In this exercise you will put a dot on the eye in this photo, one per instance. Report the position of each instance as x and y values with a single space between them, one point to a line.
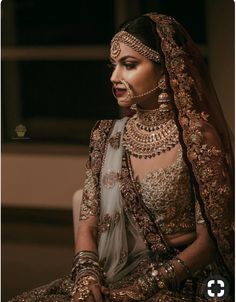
130 65
111 65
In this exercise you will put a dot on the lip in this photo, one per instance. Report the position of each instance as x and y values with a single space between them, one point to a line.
119 91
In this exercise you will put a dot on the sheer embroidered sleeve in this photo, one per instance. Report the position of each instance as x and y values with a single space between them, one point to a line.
90 200
90 203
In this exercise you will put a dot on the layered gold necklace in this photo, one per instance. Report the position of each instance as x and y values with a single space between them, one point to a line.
149 133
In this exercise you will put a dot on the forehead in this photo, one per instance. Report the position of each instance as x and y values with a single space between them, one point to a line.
122 50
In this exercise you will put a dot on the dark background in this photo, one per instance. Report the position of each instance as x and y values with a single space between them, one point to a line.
57 98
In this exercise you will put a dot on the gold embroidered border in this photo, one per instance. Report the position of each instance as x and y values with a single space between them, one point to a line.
90 204
208 163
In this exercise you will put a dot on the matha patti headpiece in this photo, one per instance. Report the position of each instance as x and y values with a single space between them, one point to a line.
135 44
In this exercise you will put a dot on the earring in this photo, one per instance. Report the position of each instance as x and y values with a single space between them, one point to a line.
133 107
163 97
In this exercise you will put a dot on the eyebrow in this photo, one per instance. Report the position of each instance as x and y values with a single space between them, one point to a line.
123 58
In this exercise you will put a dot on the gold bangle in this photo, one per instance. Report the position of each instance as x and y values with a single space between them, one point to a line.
184 265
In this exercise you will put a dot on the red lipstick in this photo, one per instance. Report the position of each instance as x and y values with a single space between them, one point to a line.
119 92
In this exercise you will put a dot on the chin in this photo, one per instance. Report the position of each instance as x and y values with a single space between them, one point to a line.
124 104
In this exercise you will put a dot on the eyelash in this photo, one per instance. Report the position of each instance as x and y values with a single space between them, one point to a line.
127 65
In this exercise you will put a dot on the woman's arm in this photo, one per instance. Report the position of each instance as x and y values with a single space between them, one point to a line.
203 250
197 255
87 235
86 271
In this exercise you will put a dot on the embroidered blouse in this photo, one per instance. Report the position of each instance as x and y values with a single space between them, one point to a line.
167 192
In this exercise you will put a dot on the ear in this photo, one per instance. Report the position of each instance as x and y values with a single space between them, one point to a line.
159 71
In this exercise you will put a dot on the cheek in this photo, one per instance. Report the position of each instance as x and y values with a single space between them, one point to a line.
142 79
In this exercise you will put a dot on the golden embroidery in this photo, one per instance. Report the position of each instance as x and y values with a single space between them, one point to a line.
123 256
89 204
151 234
90 199
96 135
167 193
109 179
116 217
107 221
115 140
214 190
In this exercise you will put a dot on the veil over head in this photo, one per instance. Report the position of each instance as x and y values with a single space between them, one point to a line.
203 131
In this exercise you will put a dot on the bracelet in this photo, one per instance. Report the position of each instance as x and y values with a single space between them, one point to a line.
152 281
184 265
91 254
86 263
87 271
171 274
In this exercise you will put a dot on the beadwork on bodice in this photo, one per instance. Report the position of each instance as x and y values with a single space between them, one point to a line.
167 193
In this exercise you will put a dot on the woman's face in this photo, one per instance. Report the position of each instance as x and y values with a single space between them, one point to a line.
140 73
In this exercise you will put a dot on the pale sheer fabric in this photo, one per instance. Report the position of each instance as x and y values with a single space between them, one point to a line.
123 237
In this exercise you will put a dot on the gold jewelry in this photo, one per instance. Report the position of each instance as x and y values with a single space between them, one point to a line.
134 43
184 265
129 91
171 275
141 143
133 107
162 83
151 281
152 119
163 97
86 263
81 288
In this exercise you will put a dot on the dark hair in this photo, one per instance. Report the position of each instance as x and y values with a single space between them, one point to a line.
144 29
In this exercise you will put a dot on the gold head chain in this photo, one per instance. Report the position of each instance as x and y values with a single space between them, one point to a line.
135 44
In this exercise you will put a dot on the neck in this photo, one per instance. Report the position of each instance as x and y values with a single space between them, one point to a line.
153 117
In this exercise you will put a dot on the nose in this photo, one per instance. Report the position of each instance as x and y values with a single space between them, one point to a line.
116 75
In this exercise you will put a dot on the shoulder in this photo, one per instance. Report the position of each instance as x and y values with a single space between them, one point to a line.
104 127
100 131
210 134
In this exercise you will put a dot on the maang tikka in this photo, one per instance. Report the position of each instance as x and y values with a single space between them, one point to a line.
163 97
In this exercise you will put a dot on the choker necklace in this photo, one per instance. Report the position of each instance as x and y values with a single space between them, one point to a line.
150 120
145 139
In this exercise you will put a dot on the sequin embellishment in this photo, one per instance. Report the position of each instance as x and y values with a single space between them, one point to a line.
114 141
109 179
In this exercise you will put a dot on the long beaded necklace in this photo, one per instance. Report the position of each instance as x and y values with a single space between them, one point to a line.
149 133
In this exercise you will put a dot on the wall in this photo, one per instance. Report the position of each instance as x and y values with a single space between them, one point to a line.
41 180
220 32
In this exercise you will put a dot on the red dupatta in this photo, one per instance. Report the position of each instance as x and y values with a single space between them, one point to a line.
204 134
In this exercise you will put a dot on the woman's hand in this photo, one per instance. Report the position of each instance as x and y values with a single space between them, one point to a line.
97 293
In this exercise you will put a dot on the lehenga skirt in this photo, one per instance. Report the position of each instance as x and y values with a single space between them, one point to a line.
190 290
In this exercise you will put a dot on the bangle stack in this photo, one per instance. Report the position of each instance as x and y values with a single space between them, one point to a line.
152 281
184 265
85 269
155 279
170 275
